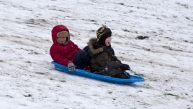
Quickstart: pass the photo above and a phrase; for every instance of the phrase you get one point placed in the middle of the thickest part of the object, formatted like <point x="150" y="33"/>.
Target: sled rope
<point x="127" y="74"/>
<point x="135" y="73"/>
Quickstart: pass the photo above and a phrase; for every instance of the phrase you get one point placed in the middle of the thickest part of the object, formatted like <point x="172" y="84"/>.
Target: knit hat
<point x="103" y="33"/>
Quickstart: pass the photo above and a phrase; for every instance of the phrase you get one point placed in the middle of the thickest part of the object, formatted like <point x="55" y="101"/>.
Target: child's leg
<point x="81" y="59"/>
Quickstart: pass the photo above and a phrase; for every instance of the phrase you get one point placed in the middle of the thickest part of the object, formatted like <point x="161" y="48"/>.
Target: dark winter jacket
<point x="103" y="59"/>
<point x="62" y="53"/>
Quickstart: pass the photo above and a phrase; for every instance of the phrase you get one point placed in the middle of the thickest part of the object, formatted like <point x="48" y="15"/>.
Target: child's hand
<point x="71" y="66"/>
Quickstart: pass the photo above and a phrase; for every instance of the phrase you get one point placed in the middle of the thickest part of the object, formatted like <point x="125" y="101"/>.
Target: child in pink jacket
<point x="66" y="52"/>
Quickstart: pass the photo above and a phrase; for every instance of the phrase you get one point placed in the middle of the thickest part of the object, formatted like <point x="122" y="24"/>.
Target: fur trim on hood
<point x="93" y="51"/>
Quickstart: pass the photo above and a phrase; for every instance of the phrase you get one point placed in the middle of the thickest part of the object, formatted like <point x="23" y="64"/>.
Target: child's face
<point x="61" y="40"/>
<point x="108" y="41"/>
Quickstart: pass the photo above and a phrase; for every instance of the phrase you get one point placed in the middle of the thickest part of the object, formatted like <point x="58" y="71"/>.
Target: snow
<point x="29" y="81"/>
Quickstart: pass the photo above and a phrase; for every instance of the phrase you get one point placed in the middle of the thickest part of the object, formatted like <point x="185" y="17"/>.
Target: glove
<point x="125" y="67"/>
<point x="71" y="66"/>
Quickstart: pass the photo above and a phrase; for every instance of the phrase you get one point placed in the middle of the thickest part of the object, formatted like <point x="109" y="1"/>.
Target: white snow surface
<point x="165" y="59"/>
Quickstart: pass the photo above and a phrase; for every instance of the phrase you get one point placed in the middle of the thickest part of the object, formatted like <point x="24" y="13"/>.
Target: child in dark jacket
<point x="103" y="59"/>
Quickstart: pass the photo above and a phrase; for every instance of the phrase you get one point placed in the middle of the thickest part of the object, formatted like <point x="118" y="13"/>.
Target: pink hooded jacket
<point x="60" y="53"/>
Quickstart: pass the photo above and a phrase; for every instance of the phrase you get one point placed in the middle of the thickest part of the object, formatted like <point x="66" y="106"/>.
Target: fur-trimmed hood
<point x="93" y="50"/>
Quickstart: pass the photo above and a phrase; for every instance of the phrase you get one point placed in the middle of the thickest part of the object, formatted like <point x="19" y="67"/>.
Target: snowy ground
<point x="164" y="57"/>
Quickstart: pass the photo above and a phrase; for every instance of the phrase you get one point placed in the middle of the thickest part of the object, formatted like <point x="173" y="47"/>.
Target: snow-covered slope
<point x="164" y="57"/>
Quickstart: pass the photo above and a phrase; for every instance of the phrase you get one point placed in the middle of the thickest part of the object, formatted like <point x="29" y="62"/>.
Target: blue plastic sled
<point x="105" y="78"/>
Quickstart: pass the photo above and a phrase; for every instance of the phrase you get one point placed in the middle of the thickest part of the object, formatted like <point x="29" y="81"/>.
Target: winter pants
<point x="82" y="59"/>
